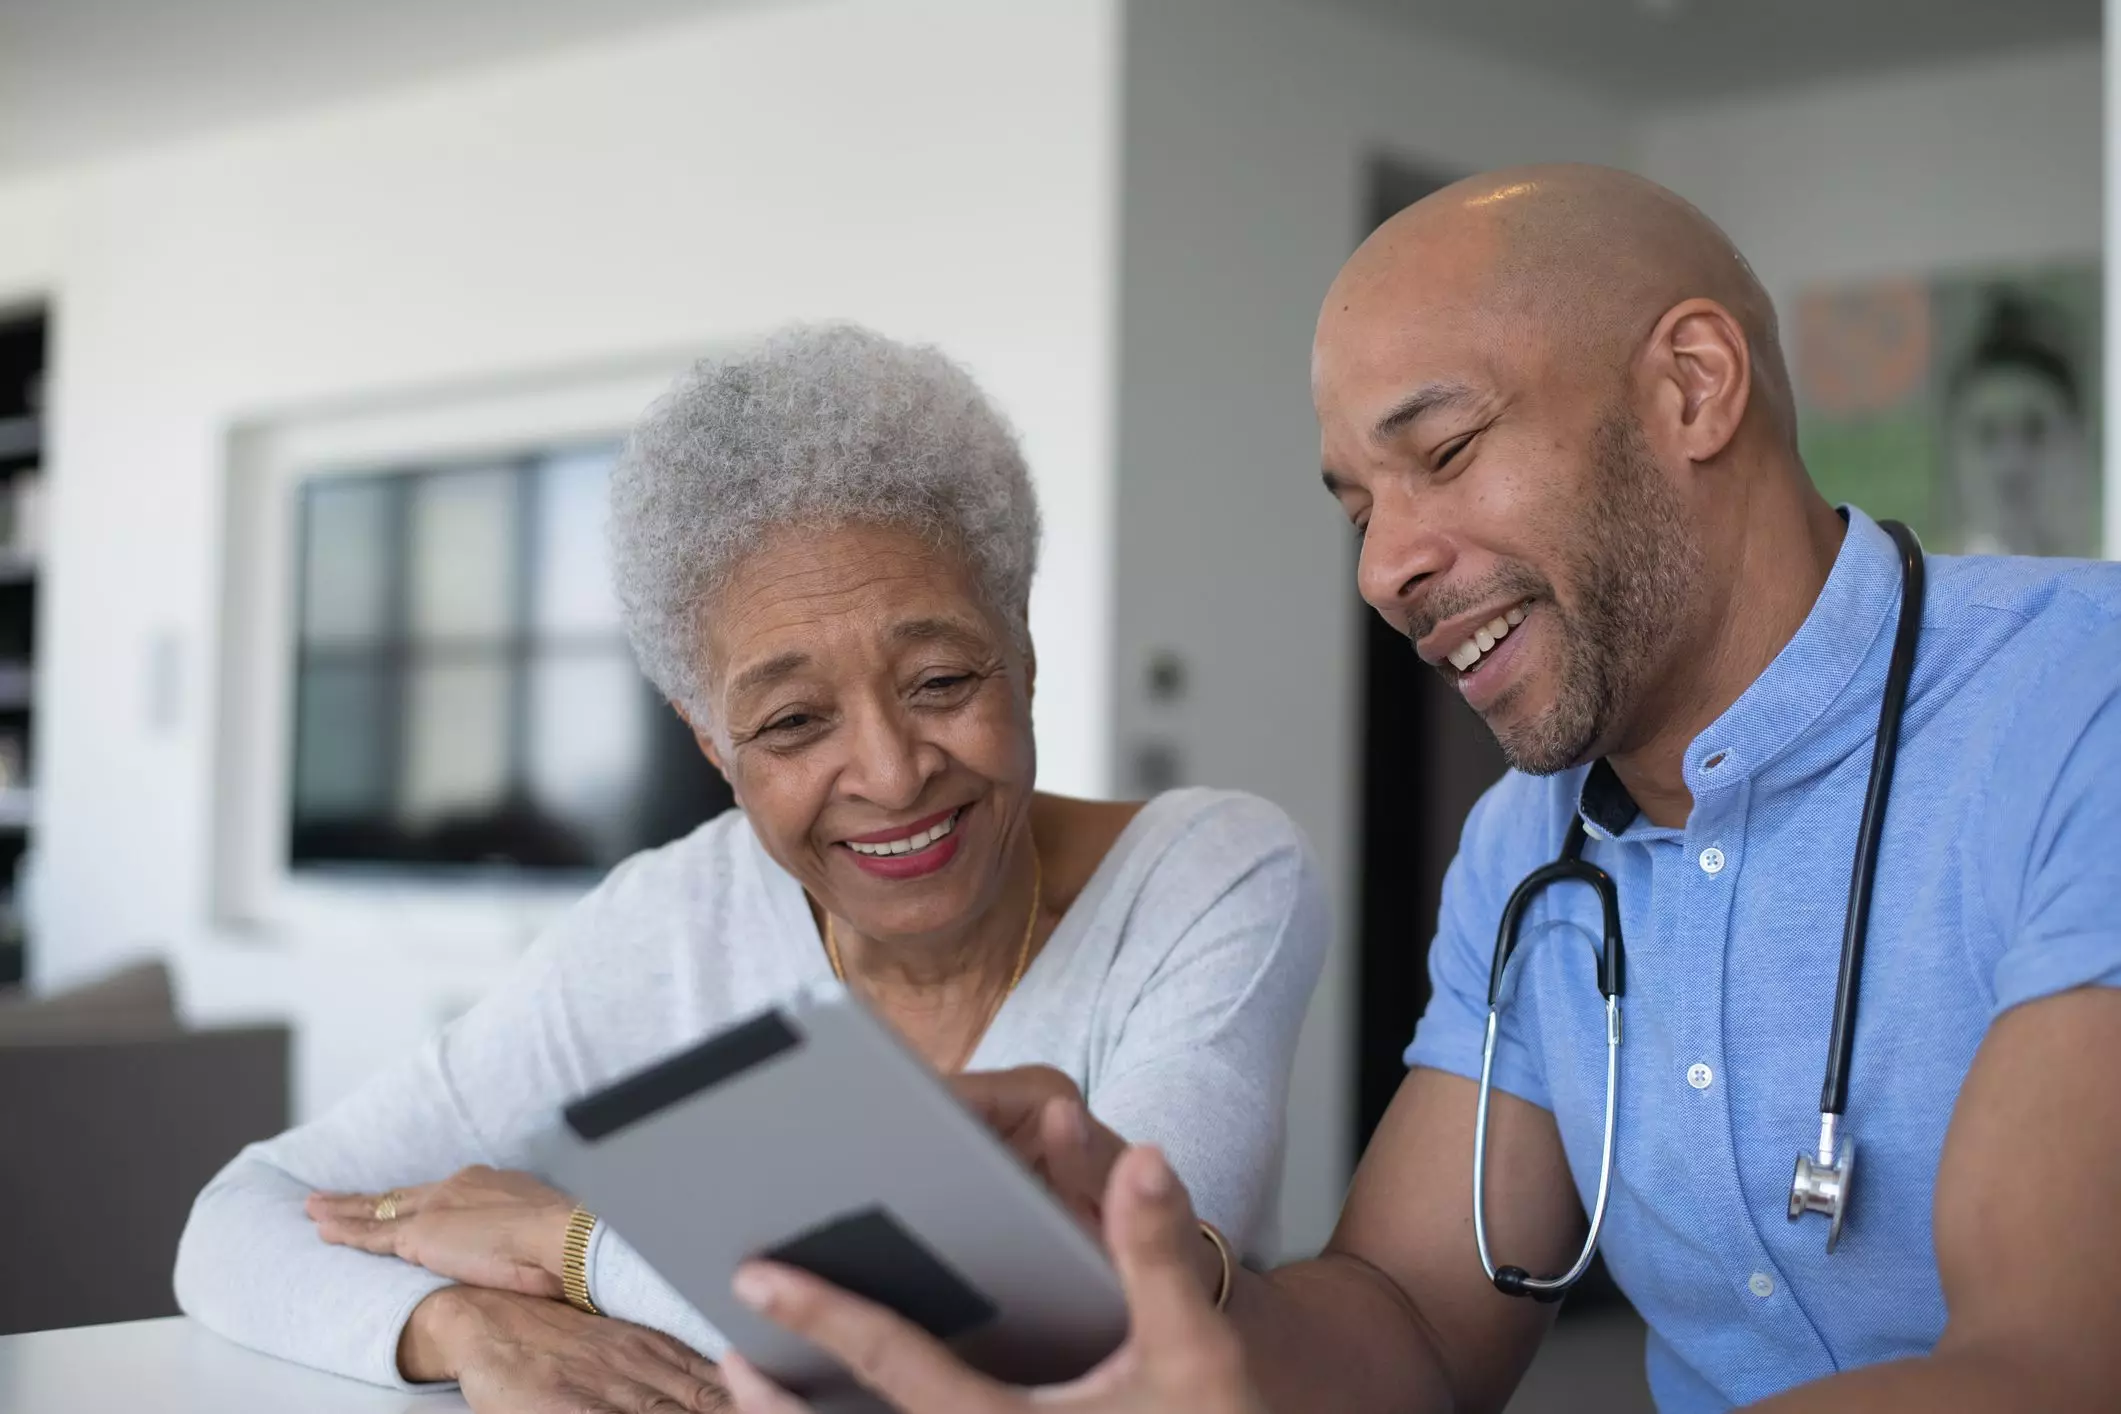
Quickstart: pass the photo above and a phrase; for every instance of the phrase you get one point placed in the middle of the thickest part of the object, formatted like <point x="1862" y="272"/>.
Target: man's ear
<point x="1701" y="374"/>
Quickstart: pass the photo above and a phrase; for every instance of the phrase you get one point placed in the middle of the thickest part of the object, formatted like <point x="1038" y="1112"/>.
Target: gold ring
<point x="387" y="1206"/>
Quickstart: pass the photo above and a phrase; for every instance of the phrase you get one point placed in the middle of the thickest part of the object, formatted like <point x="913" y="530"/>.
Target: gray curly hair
<point x="816" y="426"/>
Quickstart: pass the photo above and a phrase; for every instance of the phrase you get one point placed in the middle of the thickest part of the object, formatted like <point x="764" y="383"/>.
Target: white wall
<point x="1248" y="123"/>
<point x="30" y="216"/>
<point x="1971" y="164"/>
<point x="942" y="169"/>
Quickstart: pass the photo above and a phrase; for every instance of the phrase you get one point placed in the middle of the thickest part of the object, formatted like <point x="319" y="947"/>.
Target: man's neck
<point x="1783" y="555"/>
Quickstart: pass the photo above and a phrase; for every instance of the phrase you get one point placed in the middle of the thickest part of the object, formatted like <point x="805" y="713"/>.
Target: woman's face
<point x="874" y="720"/>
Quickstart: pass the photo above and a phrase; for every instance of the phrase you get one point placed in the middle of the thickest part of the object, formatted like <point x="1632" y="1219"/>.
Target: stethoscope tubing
<point x="1863" y="874"/>
<point x="1515" y="1281"/>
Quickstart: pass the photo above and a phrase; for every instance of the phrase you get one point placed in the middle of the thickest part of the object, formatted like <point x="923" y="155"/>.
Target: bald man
<point x="1554" y="403"/>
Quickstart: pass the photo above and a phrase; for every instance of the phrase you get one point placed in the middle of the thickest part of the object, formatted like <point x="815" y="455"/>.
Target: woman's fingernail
<point x="755" y="1288"/>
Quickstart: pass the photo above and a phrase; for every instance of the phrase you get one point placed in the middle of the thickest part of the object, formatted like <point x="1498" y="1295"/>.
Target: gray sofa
<point x="112" y="1118"/>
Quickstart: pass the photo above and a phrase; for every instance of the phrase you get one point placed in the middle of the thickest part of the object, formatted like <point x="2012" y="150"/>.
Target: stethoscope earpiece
<point x="1516" y="1281"/>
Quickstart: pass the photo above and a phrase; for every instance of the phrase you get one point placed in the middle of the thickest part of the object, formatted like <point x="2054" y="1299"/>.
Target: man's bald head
<point x="1589" y="257"/>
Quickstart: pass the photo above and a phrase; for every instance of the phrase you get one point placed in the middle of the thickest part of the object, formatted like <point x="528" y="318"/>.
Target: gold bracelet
<point x="574" y="1255"/>
<point x="1222" y="1249"/>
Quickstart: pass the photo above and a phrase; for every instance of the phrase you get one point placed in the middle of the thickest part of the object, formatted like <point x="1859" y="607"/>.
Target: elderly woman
<point x="824" y="548"/>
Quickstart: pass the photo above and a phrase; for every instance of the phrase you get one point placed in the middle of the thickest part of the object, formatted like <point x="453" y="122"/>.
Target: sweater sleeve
<point x="623" y="1284"/>
<point x="250" y="1266"/>
<point x="1200" y="1066"/>
<point x="579" y="1008"/>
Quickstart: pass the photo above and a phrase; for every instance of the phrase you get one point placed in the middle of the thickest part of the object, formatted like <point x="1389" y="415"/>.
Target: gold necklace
<point x="1023" y="958"/>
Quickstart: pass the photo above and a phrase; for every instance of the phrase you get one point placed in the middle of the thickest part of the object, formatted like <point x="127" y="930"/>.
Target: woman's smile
<point x="909" y="851"/>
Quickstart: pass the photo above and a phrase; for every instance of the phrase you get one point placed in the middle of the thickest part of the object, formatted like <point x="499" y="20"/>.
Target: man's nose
<point x="1399" y="551"/>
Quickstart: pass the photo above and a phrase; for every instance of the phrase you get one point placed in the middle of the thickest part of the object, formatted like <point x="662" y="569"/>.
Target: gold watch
<point x="574" y="1254"/>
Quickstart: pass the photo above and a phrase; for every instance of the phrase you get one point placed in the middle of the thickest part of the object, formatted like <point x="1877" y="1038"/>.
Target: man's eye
<point x="1451" y="449"/>
<point x="792" y="722"/>
<point x="945" y="682"/>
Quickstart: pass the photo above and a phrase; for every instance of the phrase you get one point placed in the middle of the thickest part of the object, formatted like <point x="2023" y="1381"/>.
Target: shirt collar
<point x="1822" y="676"/>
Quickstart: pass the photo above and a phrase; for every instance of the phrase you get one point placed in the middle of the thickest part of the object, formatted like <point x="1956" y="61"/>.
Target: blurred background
<point x="319" y="323"/>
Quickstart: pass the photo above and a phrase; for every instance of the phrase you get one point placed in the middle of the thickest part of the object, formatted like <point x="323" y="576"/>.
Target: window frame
<point x="256" y="891"/>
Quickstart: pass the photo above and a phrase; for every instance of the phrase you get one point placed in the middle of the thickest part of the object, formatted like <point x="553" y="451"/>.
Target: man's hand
<point x="1040" y="1114"/>
<point x="1179" y="1356"/>
<point x="526" y="1355"/>
<point x="482" y="1227"/>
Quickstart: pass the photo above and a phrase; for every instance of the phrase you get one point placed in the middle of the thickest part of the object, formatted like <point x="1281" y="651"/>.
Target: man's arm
<point x="1397" y="1315"/>
<point x="2028" y="1229"/>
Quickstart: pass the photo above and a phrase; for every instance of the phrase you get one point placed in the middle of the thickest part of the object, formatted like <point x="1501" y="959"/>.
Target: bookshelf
<point x="24" y="340"/>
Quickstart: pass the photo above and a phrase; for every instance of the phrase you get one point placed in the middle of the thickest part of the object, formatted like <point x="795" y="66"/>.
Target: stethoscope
<point x="1821" y="1184"/>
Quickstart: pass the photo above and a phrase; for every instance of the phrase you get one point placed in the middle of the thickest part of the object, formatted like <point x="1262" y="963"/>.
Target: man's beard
<point x="1633" y="566"/>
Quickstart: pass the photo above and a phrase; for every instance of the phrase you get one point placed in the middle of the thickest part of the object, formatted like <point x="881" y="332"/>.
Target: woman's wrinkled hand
<point x="526" y="1355"/>
<point x="483" y="1227"/>
<point x="1179" y="1357"/>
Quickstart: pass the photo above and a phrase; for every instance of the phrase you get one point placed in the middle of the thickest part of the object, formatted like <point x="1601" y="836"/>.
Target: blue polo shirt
<point x="1997" y="884"/>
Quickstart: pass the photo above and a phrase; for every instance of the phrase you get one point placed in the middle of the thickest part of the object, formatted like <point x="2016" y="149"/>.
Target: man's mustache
<point x="1513" y="584"/>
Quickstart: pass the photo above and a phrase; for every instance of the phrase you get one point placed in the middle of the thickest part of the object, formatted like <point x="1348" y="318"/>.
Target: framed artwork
<point x="1966" y="404"/>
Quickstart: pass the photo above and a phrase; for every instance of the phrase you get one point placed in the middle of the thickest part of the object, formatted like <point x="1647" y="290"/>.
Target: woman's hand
<point x="1180" y="1357"/>
<point x="526" y="1355"/>
<point x="482" y="1227"/>
<point x="1040" y="1114"/>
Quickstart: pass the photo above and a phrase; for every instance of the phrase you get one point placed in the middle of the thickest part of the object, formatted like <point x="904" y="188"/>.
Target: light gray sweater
<point x="1171" y="992"/>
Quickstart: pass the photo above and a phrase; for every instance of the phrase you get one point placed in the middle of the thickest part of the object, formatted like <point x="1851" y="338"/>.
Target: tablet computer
<point x="812" y="1135"/>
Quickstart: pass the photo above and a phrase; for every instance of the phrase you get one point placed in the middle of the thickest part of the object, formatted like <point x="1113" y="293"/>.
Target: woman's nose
<point x="891" y="764"/>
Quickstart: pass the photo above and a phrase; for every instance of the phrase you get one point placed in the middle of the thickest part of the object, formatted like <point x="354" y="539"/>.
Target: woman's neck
<point x="940" y="993"/>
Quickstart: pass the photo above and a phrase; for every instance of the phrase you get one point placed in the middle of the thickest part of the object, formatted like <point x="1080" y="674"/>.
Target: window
<point x="430" y="735"/>
<point x="464" y="695"/>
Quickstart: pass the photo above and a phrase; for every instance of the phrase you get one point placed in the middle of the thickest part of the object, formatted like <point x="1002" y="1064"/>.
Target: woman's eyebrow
<point x="758" y="675"/>
<point x="930" y="630"/>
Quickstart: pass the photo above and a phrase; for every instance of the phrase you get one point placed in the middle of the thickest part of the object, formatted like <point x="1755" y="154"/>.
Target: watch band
<point x="574" y="1252"/>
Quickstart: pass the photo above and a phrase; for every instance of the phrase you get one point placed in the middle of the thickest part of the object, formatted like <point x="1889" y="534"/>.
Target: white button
<point x="1761" y="1285"/>
<point x="1712" y="860"/>
<point x="1700" y="1076"/>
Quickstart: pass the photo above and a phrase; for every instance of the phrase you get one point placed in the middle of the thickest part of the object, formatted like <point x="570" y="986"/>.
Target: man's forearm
<point x="1334" y="1333"/>
<point x="1950" y="1382"/>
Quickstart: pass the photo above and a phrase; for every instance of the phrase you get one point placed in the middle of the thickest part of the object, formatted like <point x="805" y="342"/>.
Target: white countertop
<point x="175" y="1367"/>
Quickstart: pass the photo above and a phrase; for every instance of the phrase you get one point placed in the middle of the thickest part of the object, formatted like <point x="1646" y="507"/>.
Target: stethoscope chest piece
<point x="1822" y="1185"/>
